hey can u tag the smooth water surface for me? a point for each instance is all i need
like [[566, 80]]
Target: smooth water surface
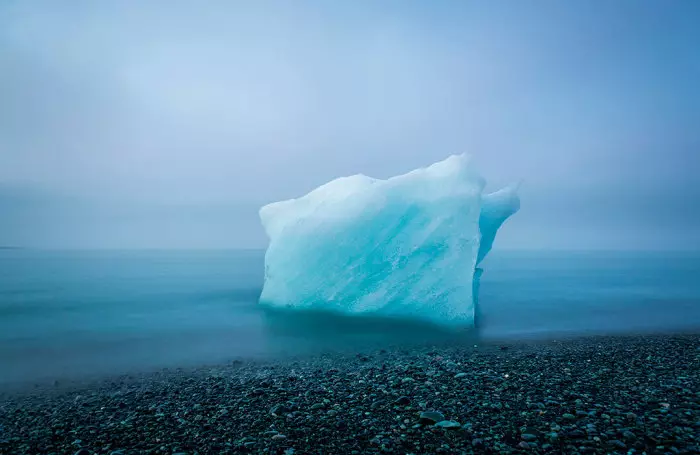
[[75, 313]]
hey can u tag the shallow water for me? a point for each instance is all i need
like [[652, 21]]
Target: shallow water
[[75, 313]]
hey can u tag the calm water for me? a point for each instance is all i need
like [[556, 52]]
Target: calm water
[[73, 313]]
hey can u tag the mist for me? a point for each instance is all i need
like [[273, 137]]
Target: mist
[[168, 124]]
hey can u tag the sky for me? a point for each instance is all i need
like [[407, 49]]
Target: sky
[[167, 124]]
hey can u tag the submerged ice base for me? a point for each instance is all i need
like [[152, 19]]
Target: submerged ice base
[[405, 247]]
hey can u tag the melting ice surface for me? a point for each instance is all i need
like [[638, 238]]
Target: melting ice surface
[[406, 247]]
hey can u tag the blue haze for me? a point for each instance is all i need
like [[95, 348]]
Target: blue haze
[[167, 124]]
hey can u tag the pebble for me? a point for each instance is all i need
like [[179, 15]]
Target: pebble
[[279, 409], [577, 434], [403, 401], [431, 417], [449, 424], [617, 443]]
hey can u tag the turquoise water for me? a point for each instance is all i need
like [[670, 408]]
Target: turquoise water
[[75, 313]]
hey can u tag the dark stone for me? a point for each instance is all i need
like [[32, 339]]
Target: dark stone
[[576, 434], [279, 409], [431, 417], [617, 444], [403, 401]]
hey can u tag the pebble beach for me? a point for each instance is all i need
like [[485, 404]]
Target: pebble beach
[[595, 395]]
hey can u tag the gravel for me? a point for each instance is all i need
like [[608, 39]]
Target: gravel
[[607, 395]]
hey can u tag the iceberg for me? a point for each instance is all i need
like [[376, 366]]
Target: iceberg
[[405, 247]]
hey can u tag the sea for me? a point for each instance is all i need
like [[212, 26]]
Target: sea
[[75, 314]]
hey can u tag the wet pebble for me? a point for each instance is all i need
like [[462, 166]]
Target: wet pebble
[[431, 417]]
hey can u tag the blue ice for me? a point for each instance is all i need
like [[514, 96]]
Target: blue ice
[[405, 247]]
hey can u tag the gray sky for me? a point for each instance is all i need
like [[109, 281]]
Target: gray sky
[[168, 123]]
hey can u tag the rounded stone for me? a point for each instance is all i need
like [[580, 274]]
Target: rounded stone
[[431, 417]]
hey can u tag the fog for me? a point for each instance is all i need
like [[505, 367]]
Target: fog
[[167, 124]]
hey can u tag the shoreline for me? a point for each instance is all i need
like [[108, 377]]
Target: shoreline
[[74, 380], [594, 394]]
